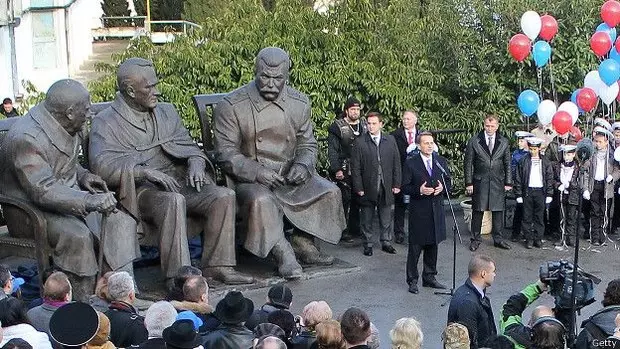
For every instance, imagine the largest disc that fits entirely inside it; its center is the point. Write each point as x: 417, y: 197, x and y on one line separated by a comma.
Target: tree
x: 115, y: 8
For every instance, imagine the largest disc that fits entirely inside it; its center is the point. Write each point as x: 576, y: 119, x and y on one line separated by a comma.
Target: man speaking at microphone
x: 422, y: 180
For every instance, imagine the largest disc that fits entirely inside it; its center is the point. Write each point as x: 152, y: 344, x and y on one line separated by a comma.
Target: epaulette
x: 295, y: 94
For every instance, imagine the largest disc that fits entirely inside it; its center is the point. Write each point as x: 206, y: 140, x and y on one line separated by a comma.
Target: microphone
x: 443, y: 170
x: 585, y: 149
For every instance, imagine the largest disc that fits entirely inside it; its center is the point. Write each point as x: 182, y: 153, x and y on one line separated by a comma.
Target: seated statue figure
x: 39, y: 159
x: 264, y: 141
x: 142, y: 150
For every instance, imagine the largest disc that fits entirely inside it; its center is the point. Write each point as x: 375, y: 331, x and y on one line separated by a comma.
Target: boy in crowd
x: 516, y: 156
x: 567, y: 181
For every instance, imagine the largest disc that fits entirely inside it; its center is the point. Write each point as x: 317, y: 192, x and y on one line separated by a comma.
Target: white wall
x: 6, y: 87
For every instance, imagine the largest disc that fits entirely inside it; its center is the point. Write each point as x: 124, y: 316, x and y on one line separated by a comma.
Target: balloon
x: 603, y: 27
x: 617, y: 45
x: 613, y: 54
x: 600, y: 43
x: 610, y: 13
x: 562, y: 122
x: 617, y: 154
x: 609, y: 71
x: 549, y: 27
x: 519, y: 47
x: 593, y: 81
x: 531, y: 24
x: 586, y: 99
x: 541, y: 53
x: 608, y: 94
x: 528, y: 102
x: 572, y: 110
x: 546, y: 110
x: 576, y: 132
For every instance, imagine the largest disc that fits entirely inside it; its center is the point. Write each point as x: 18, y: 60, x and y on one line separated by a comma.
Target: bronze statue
x: 264, y: 141
x: 40, y: 165
x: 142, y: 150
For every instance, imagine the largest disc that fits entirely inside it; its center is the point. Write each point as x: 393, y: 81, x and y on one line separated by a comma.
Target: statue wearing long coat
x: 250, y: 133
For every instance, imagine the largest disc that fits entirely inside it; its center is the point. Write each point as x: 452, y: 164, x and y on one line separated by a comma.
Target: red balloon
x: 549, y: 27
x: 576, y: 132
x: 562, y: 122
x: 617, y: 44
x: 586, y: 99
x: 610, y: 13
x: 519, y: 47
x: 600, y: 43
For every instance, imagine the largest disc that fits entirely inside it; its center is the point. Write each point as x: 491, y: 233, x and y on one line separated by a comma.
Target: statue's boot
x: 82, y: 287
x: 306, y: 251
x: 288, y: 267
x: 227, y: 275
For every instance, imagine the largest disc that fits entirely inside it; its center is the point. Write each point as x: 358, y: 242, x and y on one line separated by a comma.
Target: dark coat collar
x: 123, y: 306
x: 59, y: 137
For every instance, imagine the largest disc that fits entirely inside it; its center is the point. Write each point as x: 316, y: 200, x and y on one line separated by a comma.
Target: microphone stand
x: 455, y: 231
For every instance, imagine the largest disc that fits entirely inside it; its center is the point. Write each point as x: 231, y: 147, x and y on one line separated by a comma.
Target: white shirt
x: 599, y: 172
x: 480, y: 290
x: 566, y: 173
x: 536, y: 173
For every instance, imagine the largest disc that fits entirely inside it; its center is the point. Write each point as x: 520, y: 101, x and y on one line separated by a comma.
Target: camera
x: 558, y: 275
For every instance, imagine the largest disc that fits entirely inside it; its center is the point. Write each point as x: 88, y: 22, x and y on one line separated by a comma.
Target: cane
x: 104, y: 221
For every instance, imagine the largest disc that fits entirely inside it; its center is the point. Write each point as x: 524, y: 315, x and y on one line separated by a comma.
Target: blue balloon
x: 609, y: 70
x: 613, y: 54
x: 528, y: 102
x: 573, y: 98
x: 603, y: 27
x: 541, y: 53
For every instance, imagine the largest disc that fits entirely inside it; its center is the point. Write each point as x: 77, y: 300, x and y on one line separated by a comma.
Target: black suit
x: 402, y: 142
x: 533, y: 198
x: 469, y: 308
x: 427, y: 222
x: 375, y: 170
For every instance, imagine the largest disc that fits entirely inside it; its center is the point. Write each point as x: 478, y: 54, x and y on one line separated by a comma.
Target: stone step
x: 102, y: 52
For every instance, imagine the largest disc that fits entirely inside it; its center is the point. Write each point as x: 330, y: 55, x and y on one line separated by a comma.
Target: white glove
x: 561, y: 188
x: 586, y: 195
x: 411, y: 148
x: 519, y: 200
x: 548, y: 200
x: 609, y: 178
x: 618, y: 188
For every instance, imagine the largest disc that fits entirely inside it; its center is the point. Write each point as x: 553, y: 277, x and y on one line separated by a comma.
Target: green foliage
x: 115, y: 8
x: 451, y: 63
x: 32, y: 97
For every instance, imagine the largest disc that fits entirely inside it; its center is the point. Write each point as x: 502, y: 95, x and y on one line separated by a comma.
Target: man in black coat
x: 487, y: 178
x: 405, y: 137
x: 471, y: 307
x: 427, y: 228
x: 232, y: 311
x: 376, y: 176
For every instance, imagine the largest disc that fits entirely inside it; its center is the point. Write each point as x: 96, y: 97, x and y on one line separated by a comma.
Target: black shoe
x: 502, y: 245
x: 399, y: 239
x: 347, y: 239
x: 515, y: 239
x: 474, y: 245
x: 529, y: 244
x: 537, y: 243
x: 413, y: 288
x: 367, y: 251
x: 433, y: 284
x: 389, y: 249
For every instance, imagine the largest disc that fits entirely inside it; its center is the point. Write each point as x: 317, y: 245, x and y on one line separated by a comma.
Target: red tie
x: 410, y: 137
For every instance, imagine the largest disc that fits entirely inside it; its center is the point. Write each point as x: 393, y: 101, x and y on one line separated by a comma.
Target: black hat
x: 280, y: 296
x: 234, y: 308
x: 351, y: 102
x: 74, y: 324
x: 181, y: 334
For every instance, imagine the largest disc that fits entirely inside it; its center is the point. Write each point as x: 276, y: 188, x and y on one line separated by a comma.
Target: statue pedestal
x: 486, y: 218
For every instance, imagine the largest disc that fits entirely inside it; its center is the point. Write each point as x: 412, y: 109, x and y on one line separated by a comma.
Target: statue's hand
x: 104, y: 202
x: 196, y: 175
x: 269, y: 178
x: 93, y: 183
x: 158, y: 177
x: 298, y: 174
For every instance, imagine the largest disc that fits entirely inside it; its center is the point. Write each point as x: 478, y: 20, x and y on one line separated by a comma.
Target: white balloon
x: 617, y: 154
x: 593, y: 81
x: 531, y: 24
x: 546, y: 110
x: 570, y: 108
x: 608, y: 94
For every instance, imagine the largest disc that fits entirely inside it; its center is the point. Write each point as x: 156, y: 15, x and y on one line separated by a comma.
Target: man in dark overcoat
x: 264, y: 141
x: 487, y: 178
x: 422, y: 180
x: 376, y: 177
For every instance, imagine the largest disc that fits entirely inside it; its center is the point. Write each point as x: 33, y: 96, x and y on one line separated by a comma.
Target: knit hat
x: 351, y: 102
x: 280, y: 296
x: 101, y: 339
x: 455, y: 336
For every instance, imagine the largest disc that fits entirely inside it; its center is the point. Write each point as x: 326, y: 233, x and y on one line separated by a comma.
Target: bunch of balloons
x: 533, y: 26
x: 563, y: 117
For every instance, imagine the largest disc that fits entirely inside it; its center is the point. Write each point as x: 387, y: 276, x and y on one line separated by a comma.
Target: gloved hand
x: 561, y: 188
x: 411, y: 148
x: 519, y: 200
x: 609, y: 178
x: 586, y: 195
x: 548, y: 200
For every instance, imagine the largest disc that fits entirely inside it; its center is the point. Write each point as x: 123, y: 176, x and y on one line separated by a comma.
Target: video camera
x: 558, y: 275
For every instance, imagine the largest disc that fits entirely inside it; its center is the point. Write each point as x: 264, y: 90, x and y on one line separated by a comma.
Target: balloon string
x: 539, y: 77
x: 555, y: 95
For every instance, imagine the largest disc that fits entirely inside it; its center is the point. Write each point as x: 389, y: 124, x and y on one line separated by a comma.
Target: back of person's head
x: 283, y: 318
x: 374, y: 341
x: 280, y: 296
x: 5, y: 275
x: 612, y: 293
x: 270, y: 342
x: 196, y: 289
x: 268, y: 329
x: 176, y: 291
x: 455, y: 336
x: 548, y: 333
x: 17, y: 343
x: 316, y: 312
x: 159, y: 316
x: 479, y: 263
x: 101, y: 288
x: 12, y: 312
x: 121, y: 286
x: 500, y: 342
x: 329, y: 336
x: 406, y: 334
x: 355, y: 326
x: 57, y: 287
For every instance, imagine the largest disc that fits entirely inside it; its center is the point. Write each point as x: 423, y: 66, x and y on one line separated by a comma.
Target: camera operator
x: 543, y: 331
x: 602, y: 325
